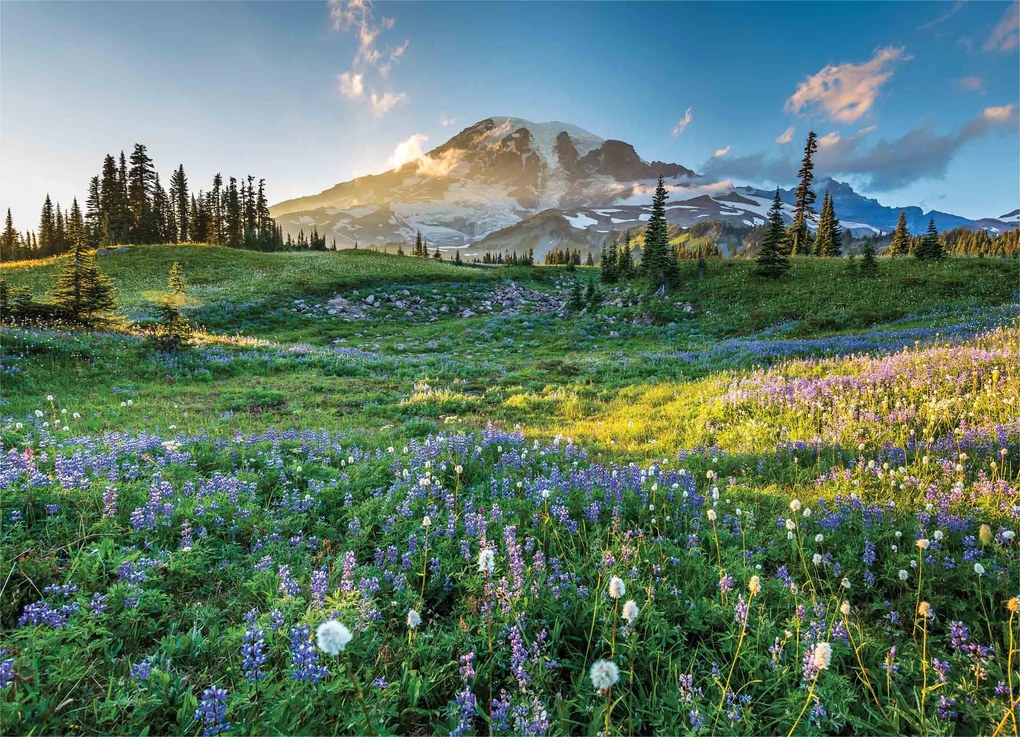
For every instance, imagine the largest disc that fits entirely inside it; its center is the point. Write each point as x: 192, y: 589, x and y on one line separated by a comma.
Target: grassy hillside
x: 231, y: 275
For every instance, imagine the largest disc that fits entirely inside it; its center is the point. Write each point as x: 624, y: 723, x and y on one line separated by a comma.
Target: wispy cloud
x: 942, y: 17
x: 683, y: 123
x: 972, y: 84
x: 358, y: 17
x: 351, y: 85
x: 445, y: 121
x: 382, y: 104
x: 846, y: 92
x: 1005, y: 36
x: 412, y: 150
x: 721, y: 152
x: 921, y: 153
x: 786, y: 136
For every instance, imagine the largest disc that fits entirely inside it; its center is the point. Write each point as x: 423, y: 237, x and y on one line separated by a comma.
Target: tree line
x: 127, y: 203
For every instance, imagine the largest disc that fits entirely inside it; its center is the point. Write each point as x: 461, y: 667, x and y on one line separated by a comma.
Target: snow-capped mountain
x: 511, y: 183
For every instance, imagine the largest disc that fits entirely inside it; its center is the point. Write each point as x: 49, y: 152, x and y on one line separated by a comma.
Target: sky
x: 915, y: 103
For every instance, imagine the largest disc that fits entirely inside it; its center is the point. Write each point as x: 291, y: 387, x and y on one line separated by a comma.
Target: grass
x: 286, y: 453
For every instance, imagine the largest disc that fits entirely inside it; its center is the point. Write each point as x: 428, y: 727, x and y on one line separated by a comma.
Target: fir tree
x: 772, y: 261
x: 829, y: 238
x: 417, y: 245
x: 658, y: 260
x: 576, y: 300
x: 172, y: 330
x: 9, y: 240
x: 179, y: 202
x: 141, y: 179
x: 869, y: 266
x: 930, y: 247
x: 800, y: 241
x: 625, y: 263
x: 177, y: 283
x: 82, y: 292
x: 900, y: 245
x: 47, y: 229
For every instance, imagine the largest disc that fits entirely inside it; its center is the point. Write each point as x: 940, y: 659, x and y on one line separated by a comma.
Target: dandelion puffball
x: 903, y: 574
x: 413, y: 619
x: 332, y: 637
x: 979, y: 569
x: 630, y: 611
x: 604, y: 674
x: 617, y: 588
x: 486, y: 561
x: 822, y: 655
x: 795, y: 505
x: 922, y: 544
x: 754, y: 585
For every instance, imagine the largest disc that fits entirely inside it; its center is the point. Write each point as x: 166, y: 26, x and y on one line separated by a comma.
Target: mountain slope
x: 508, y: 183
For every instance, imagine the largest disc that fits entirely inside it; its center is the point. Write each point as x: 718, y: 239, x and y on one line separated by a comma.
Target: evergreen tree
x: 417, y: 245
x: 625, y: 263
x: 232, y: 225
x: 869, y: 266
x: 47, y: 229
x: 172, y: 331
x: 9, y: 240
x: 930, y: 247
x: 93, y: 212
x: 829, y: 238
x: 800, y: 240
x: 82, y: 292
x: 658, y: 260
x: 576, y: 300
x: 216, y: 232
x: 900, y: 245
x: 112, y: 217
x: 141, y: 180
x: 179, y: 201
x: 772, y: 260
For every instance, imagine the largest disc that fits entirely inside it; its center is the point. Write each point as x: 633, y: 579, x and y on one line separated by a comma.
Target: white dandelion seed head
x: 604, y: 674
x: 844, y: 608
x: 617, y: 588
x: 1008, y: 535
x: 790, y: 525
x: 819, y: 537
x: 413, y: 619
x: 903, y: 574
x: 979, y: 569
x: 712, y: 515
x: 816, y: 559
x: 332, y: 637
x: 754, y: 585
x: 939, y: 534
x: 822, y: 655
x: 426, y: 521
x: 630, y: 611
x: 795, y: 505
x: 486, y: 561
x: 845, y: 583
x: 922, y: 544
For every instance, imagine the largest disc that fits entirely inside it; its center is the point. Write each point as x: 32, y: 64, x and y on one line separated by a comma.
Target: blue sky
x: 917, y: 101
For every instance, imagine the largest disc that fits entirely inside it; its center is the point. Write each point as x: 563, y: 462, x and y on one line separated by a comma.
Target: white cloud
x: 351, y: 85
x: 382, y: 104
x: 722, y: 152
x: 1005, y: 36
x: 972, y: 84
x: 885, y: 165
x: 445, y: 121
x: 786, y: 136
x: 407, y: 150
x: 359, y: 16
x: 846, y: 92
x: 682, y: 124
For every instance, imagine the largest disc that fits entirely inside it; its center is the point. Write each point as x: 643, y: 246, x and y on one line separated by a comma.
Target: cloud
x: 445, y: 121
x: 407, y: 150
x: 351, y: 85
x: 846, y: 92
x: 786, y: 136
x: 722, y: 152
x: 942, y: 17
x: 358, y: 16
x: 972, y: 84
x: 382, y: 104
x: 1005, y: 36
x: 921, y: 153
x: 441, y: 165
x: 682, y: 124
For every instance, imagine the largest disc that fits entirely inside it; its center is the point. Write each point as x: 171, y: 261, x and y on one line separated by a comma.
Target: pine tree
x: 172, y: 330
x: 800, y: 240
x: 576, y: 299
x: 829, y: 238
x: 141, y: 179
x: 9, y: 239
x: 47, y: 229
x: 589, y: 261
x: 607, y: 264
x: 772, y: 261
x: 82, y: 292
x: 658, y: 260
x: 900, y: 245
x: 869, y: 266
x: 92, y: 214
x: 930, y: 247
x: 179, y: 202
x: 417, y: 245
x: 625, y: 263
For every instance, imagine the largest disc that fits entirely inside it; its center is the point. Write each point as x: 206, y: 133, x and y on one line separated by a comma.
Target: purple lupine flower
x: 304, y: 656
x: 212, y: 710
x: 288, y: 584
x: 110, y: 502
x: 141, y: 670
x: 6, y: 670
x: 253, y: 654
x: 320, y: 582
